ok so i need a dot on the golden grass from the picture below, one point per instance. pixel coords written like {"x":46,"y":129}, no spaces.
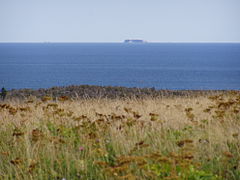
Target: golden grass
{"x":161,"y":138}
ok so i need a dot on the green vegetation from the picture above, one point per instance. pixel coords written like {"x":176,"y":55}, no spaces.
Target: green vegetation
{"x":161,"y":138}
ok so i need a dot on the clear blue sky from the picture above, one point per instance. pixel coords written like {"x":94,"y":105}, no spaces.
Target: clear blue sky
{"x":116,"y":20}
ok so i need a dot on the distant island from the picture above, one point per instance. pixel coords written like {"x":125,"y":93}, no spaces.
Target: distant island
{"x":134,"y":41}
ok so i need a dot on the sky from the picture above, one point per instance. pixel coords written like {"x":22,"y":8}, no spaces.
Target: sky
{"x":117,"y":20}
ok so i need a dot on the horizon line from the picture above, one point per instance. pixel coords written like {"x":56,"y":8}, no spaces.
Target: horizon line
{"x":145,"y":42}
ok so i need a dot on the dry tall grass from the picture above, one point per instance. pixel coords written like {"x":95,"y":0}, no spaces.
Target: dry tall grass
{"x":161,"y":138}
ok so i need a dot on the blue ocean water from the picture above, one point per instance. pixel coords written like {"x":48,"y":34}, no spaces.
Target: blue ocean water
{"x":159,"y":65}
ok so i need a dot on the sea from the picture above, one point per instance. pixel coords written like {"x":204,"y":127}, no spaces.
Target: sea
{"x":173,"y":66}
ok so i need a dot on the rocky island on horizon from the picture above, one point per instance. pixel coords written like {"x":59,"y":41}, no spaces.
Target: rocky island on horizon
{"x":134,"y":41}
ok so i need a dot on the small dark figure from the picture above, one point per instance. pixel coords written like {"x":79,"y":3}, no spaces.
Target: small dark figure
{"x":3,"y":93}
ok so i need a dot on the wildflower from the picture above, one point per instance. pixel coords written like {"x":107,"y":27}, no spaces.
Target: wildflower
{"x":37,"y":134}
{"x":16,"y":161}
{"x":32,"y":166}
{"x":81,"y":148}
{"x":228,"y":154}
{"x":17,"y":132}
{"x":140,"y":143}
{"x":183,"y":142}
{"x":5,"y":153}
{"x":235,"y":134}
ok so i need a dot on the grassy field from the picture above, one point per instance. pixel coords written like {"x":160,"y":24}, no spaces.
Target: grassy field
{"x":152,"y":138}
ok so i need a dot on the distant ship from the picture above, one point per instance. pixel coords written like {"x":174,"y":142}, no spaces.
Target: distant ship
{"x":134,"y":41}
